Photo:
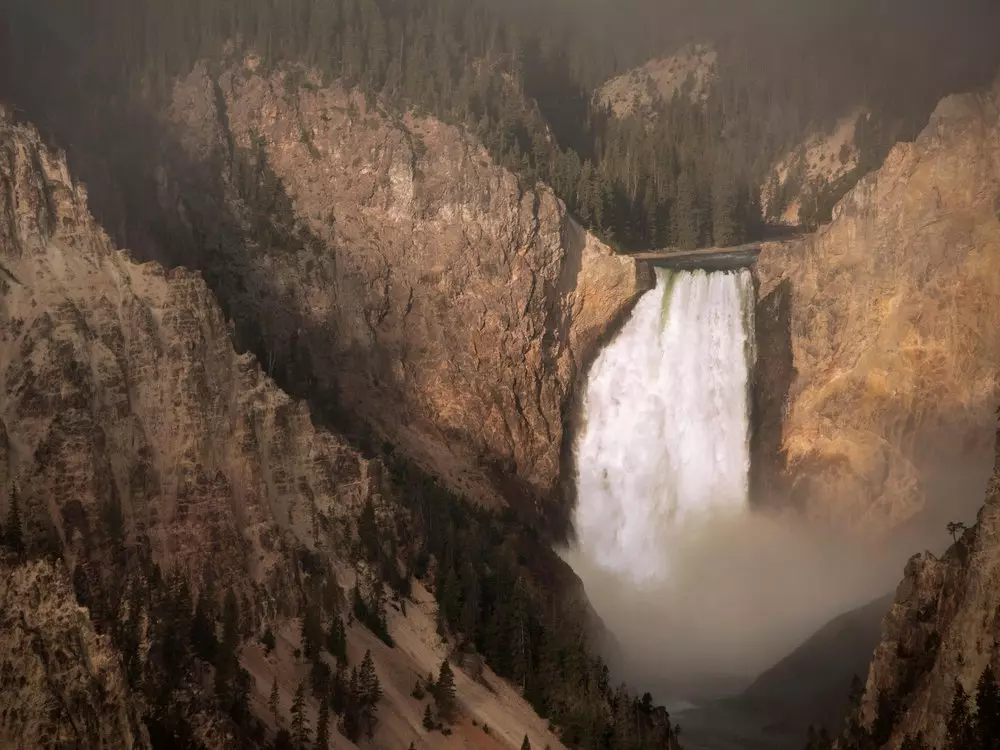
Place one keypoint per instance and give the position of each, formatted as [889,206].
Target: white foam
[665,443]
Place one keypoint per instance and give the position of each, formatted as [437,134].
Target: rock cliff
[408,279]
[942,627]
[120,384]
[62,685]
[895,330]
[147,456]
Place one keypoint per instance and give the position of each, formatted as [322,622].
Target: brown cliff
[895,330]
[62,685]
[943,626]
[143,448]
[425,291]
[121,383]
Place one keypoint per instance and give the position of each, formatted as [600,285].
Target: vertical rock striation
[121,389]
[423,289]
[943,626]
[895,330]
[62,685]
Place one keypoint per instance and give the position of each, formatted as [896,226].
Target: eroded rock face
[61,685]
[942,627]
[895,326]
[146,455]
[121,388]
[428,295]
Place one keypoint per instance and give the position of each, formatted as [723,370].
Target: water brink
[665,441]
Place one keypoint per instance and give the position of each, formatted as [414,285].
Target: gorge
[324,350]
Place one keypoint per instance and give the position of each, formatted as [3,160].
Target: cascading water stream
[665,441]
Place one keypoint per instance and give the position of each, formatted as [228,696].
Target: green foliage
[370,611]
[300,727]
[12,534]
[418,690]
[955,528]
[485,571]
[988,710]
[272,700]
[323,725]
[336,641]
[961,726]
[267,641]
[965,728]
[444,693]
[428,720]
[311,631]
[369,693]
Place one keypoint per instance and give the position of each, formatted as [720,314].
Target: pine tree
[203,627]
[353,707]
[338,691]
[323,725]
[336,641]
[525,745]
[988,710]
[226,659]
[13,529]
[300,729]
[444,693]
[311,631]
[885,718]
[368,679]
[272,700]
[370,691]
[428,718]
[960,726]
[913,743]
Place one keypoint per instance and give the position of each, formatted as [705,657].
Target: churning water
[665,440]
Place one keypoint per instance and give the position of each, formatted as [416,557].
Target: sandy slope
[486,702]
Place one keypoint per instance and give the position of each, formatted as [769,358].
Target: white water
[665,443]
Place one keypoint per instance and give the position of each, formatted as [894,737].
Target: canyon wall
[895,332]
[408,279]
[121,385]
[941,628]
[142,451]
[62,685]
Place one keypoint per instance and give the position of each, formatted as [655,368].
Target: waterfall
[666,432]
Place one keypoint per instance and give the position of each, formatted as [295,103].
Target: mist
[745,591]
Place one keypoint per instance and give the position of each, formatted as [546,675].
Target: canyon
[319,290]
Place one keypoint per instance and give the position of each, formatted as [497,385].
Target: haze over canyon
[361,387]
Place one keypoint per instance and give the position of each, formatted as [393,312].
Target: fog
[746,591]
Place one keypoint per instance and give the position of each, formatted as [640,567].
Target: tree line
[973,721]
[502,594]
[686,174]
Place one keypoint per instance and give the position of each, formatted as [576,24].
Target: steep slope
[640,90]
[942,627]
[152,464]
[895,331]
[404,276]
[61,684]
[120,384]
[810,685]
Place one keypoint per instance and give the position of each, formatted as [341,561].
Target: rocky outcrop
[943,626]
[61,684]
[121,388]
[642,90]
[895,327]
[409,280]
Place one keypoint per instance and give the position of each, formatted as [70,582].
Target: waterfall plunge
[665,442]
